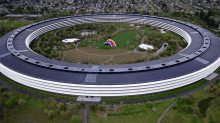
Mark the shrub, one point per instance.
(75, 119)
(67, 114)
(92, 107)
(101, 108)
(2, 88)
(53, 103)
(82, 104)
(62, 106)
(189, 109)
(69, 106)
(149, 104)
(77, 106)
(21, 102)
(188, 100)
(11, 102)
(174, 106)
(211, 119)
(50, 99)
(103, 103)
(7, 94)
(62, 113)
(45, 111)
(179, 100)
(50, 114)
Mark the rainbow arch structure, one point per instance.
(111, 43)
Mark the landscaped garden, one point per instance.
(91, 48)
(199, 107)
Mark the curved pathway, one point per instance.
(160, 118)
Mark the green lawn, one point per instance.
(120, 39)
(30, 113)
(133, 113)
(16, 23)
(200, 99)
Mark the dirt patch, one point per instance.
(103, 52)
(131, 57)
(77, 56)
(3, 21)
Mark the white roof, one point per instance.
(70, 40)
(145, 46)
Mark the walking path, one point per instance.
(85, 113)
(161, 117)
(109, 59)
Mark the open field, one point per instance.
(125, 58)
(133, 113)
(199, 107)
(120, 39)
(76, 56)
(19, 108)
(103, 52)
(127, 39)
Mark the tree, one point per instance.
(82, 104)
(67, 114)
(92, 107)
(45, 111)
(50, 114)
(21, 102)
(149, 104)
(62, 106)
(11, 102)
(77, 106)
(52, 103)
(69, 106)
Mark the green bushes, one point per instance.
(204, 104)
(92, 107)
(21, 102)
(75, 119)
(62, 106)
(11, 102)
(101, 108)
(52, 103)
(50, 114)
(149, 104)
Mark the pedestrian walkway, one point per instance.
(89, 99)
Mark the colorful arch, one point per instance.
(111, 43)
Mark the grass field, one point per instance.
(126, 58)
(120, 39)
(103, 52)
(133, 113)
(76, 56)
(205, 113)
(16, 24)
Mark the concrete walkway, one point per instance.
(85, 113)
